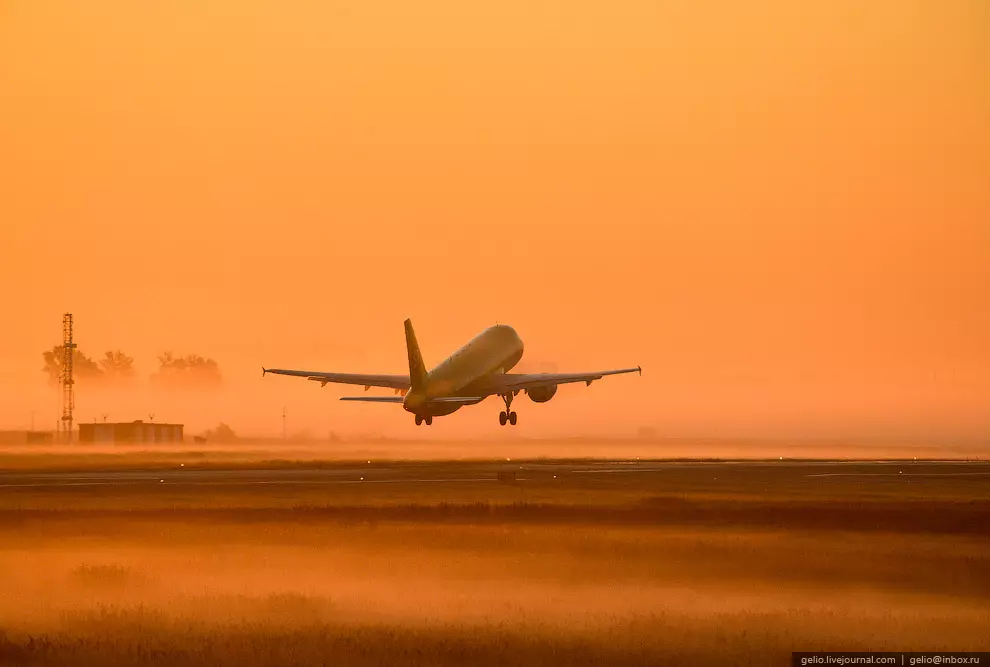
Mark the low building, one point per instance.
(26, 437)
(137, 432)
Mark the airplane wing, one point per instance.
(516, 381)
(373, 399)
(400, 382)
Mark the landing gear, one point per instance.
(419, 420)
(507, 415)
(428, 419)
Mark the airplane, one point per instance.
(477, 370)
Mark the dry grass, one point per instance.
(112, 636)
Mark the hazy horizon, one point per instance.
(780, 211)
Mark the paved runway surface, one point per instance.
(946, 497)
(481, 472)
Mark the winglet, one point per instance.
(417, 369)
(640, 369)
(263, 371)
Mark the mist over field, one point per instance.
(252, 407)
(183, 559)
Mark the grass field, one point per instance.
(578, 563)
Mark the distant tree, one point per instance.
(222, 433)
(83, 368)
(189, 371)
(117, 365)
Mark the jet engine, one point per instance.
(542, 394)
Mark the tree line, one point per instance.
(190, 370)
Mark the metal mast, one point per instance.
(68, 396)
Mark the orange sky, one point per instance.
(781, 210)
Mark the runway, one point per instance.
(645, 473)
(945, 497)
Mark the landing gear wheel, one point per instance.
(507, 415)
(429, 420)
(419, 420)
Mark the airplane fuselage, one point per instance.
(494, 351)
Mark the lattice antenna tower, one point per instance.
(68, 393)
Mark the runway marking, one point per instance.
(15, 486)
(595, 472)
(899, 474)
(180, 482)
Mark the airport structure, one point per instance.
(136, 432)
(68, 396)
(26, 437)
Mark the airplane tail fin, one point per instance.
(417, 370)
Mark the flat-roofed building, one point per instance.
(26, 437)
(137, 432)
